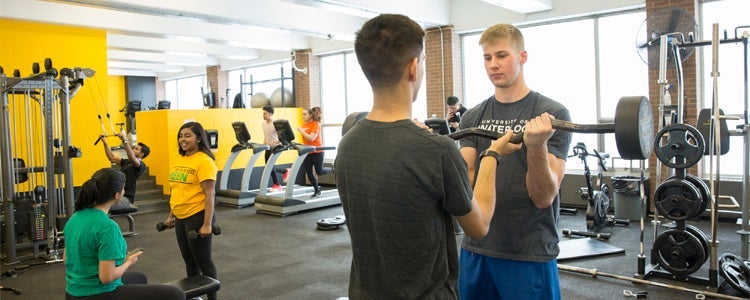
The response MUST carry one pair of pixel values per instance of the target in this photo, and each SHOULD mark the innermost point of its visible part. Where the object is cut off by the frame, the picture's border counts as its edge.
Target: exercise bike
(597, 200)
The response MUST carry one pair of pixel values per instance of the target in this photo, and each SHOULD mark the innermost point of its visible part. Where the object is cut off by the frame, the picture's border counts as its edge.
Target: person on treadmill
(133, 167)
(271, 138)
(400, 183)
(310, 131)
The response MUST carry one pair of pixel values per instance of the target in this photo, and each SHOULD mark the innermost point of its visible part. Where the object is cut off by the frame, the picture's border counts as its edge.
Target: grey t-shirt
(399, 184)
(519, 230)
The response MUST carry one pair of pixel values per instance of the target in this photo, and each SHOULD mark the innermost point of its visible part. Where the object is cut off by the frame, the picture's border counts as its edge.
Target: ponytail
(102, 187)
(316, 114)
(88, 196)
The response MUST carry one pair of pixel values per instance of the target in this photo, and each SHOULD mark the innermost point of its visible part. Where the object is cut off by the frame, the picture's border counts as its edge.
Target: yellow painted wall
(159, 128)
(27, 42)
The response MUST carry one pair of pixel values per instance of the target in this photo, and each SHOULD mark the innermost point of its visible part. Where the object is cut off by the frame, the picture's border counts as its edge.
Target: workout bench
(197, 285)
(131, 223)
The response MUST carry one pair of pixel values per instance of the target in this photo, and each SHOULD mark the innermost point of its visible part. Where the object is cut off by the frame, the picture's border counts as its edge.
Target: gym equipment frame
(35, 125)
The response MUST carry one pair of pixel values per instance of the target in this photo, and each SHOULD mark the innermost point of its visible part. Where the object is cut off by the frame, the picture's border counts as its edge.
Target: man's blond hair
(500, 32)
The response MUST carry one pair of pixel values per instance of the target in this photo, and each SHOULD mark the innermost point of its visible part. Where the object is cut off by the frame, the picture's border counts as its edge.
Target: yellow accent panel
(159, 128)
(68, 46)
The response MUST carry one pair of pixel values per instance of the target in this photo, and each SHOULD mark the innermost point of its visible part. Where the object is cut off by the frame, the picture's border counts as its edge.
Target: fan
(675, 22)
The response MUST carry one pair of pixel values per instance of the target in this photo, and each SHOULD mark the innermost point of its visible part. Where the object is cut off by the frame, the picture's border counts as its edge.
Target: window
(586, 64)
(185, 93)
(728, 14)
(259, 79)
(345, 90)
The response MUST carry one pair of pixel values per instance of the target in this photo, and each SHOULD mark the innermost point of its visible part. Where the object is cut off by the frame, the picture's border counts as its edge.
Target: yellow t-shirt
(185, 179)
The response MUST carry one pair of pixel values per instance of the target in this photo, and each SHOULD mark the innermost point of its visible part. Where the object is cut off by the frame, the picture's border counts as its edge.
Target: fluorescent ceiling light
(523, 6)
(241, 57)
(191, 54)
(184, 64)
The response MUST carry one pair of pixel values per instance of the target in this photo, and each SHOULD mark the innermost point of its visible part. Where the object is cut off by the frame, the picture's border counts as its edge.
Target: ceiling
(172, 38)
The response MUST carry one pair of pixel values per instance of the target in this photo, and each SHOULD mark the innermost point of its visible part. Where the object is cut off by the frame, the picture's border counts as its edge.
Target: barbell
(633, 128)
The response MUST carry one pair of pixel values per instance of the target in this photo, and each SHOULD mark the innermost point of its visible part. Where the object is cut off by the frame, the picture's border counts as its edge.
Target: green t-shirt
(91, 236)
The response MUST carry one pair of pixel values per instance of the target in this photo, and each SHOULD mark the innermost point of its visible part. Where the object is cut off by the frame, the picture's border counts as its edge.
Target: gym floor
(267, 257)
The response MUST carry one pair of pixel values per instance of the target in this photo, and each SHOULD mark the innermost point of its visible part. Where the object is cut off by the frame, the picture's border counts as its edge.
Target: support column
(443, 70)
(307, 86)
(690, 84)
(217, 78)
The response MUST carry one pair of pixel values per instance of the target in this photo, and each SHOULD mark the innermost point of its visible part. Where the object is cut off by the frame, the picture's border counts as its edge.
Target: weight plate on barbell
(634, 127)
(679, 252)
(700, 235)
(703, 189)
(679, 146)
(732, 270)
(678, 199)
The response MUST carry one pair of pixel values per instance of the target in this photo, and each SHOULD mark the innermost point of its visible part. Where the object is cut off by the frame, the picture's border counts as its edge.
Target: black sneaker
(315, 195)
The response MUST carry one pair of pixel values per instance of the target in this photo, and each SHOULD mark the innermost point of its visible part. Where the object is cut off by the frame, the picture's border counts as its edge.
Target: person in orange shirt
(310, 131)
(192, 179)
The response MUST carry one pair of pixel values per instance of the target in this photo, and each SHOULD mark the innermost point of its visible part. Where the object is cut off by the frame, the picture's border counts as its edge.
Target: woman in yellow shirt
(192, 181)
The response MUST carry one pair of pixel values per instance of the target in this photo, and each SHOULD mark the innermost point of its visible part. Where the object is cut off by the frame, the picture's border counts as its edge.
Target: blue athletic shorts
(484, 277)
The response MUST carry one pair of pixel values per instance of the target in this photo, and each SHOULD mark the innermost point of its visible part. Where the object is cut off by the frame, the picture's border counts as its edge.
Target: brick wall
(217, 78)
(690, 85)
(443, 70)
(307, 86)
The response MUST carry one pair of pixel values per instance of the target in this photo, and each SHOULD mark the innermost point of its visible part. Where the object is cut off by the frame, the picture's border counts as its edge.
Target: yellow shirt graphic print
(187, 196)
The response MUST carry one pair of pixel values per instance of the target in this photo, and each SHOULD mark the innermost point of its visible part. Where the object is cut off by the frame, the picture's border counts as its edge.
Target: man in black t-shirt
(454, 111)
(133, 167)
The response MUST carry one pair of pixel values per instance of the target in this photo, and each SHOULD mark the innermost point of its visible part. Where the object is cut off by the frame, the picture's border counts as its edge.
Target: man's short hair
(385, 45)
(500, 32)
(452, 100)
(145, 150)
(268, 108)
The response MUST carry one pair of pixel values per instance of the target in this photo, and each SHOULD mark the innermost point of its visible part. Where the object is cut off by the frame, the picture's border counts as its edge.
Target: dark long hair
(102, 187)
(199, 132)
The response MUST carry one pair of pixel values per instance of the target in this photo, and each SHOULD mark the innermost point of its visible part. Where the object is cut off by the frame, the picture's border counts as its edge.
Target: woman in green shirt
(96, 260)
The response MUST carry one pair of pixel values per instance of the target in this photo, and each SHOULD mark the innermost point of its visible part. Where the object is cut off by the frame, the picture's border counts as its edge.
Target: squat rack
(713, 142)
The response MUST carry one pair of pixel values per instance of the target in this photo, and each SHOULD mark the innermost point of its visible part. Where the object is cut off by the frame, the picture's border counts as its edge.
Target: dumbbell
(161, 226)
(215, 229)
(597, 235)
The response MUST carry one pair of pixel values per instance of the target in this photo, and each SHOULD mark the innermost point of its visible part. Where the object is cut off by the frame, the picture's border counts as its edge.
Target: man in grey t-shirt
(517, 258)
(400, 183)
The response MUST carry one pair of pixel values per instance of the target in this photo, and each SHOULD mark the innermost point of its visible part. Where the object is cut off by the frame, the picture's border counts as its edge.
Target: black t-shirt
(399, 185)
(457, 117)
(131, 175)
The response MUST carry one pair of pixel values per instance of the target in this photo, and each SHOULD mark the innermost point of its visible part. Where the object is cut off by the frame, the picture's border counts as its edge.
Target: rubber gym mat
(585, 247)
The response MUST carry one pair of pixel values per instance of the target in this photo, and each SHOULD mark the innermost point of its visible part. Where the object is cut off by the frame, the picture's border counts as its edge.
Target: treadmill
(242, 197)
(295, 199)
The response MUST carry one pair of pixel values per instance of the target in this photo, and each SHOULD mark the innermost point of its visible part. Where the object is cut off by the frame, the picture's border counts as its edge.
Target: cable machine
(35, 158)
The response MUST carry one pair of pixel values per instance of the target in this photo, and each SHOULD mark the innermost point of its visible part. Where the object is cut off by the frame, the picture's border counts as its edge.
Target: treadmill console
(241, 133)
(284, 130)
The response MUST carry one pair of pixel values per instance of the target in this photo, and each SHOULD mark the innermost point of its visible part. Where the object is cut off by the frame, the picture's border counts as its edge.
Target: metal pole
(69, 196)
(641, 254)
(8, 176)
(49, 136)
(714, 243)
(745, 231)
(594, 273)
